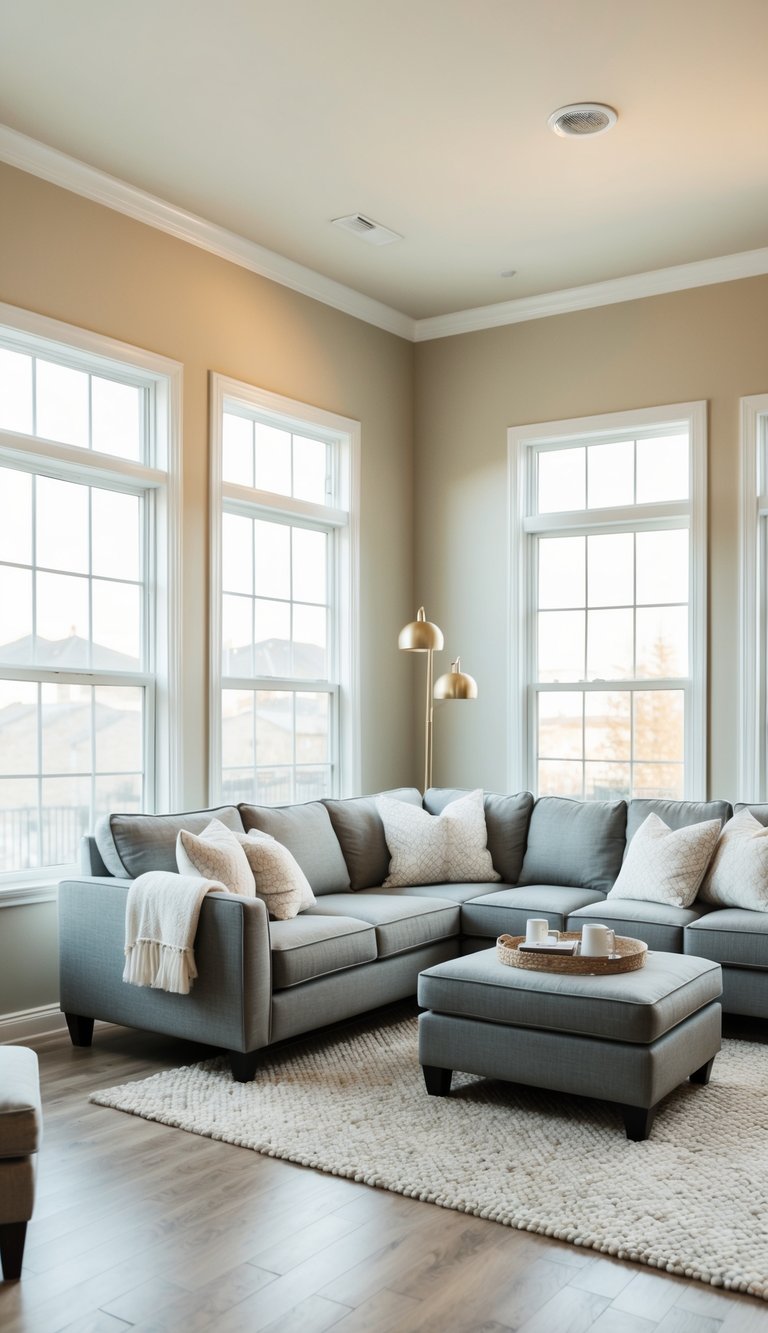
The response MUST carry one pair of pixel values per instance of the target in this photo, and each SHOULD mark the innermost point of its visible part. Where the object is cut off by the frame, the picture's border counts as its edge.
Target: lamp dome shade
(456, 684)
(420, 635)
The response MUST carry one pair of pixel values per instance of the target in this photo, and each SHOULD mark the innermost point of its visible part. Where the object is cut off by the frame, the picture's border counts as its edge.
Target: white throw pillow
(280, 880)
(665, 865)
(215, 854)
(738, 875)
(449, 848)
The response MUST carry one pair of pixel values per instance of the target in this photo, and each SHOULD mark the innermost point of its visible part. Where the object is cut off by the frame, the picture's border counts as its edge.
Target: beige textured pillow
(665, 865)
(449, 848)
(215, 854)
(738, 875)
(280, 880)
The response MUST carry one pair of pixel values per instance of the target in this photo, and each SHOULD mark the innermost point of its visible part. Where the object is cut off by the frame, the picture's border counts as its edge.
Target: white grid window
(86, 511)
(609, 582)
(753, 600)
(284, 580)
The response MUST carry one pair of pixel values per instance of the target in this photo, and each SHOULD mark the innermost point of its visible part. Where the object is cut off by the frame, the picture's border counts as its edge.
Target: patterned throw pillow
(449, 848)
(738, 875)
(665, 865)
(215, 854)
(280, 880)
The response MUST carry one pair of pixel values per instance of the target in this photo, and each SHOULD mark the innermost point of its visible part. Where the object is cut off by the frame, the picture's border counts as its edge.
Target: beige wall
(704, 344)
(73, 260)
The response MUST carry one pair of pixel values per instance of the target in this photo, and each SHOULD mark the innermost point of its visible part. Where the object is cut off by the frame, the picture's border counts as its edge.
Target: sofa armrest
(229, 1004)
(91, 862)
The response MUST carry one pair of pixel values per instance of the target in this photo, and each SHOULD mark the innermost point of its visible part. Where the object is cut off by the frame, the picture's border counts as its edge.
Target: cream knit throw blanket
(161, 917)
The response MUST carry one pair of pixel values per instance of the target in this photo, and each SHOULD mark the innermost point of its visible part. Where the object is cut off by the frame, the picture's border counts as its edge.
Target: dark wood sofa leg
(638, 1121)
(243, 1065)
(12, 1237)
(80, 1029)
(702, 1075)
(438, 1080)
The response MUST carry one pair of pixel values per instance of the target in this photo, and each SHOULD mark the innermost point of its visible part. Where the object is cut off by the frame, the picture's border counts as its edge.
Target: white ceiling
(271, 117)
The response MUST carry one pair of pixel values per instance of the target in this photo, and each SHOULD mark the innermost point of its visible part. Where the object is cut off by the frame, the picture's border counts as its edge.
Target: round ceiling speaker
(582, 118)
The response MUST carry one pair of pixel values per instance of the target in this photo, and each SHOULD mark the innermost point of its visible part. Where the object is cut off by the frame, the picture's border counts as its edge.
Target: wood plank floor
(144, 1227)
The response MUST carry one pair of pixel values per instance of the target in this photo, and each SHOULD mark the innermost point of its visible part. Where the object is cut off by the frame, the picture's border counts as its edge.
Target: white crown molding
(700, 273)
(18, 150)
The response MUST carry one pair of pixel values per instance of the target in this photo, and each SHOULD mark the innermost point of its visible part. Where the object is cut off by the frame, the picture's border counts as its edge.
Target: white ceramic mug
(597, 941)
(536, 930)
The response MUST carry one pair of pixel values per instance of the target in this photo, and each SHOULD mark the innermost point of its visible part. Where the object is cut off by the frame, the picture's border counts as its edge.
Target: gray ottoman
(629, 1038)
(20, 1128)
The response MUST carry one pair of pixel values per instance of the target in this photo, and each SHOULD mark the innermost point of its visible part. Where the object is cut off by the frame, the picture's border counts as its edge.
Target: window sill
(22, 895)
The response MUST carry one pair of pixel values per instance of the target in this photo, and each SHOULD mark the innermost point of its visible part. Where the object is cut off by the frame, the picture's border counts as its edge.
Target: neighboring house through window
(608, 582)
(284, 600)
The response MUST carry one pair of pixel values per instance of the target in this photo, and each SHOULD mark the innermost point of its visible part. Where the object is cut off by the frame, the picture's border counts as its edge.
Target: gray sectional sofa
(361, 945)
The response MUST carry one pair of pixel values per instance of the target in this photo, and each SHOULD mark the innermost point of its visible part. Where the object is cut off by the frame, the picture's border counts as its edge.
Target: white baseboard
(43, 1021)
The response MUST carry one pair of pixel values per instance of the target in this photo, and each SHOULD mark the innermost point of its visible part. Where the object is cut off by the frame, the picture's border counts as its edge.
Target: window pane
(237, 450)
(312, 784)
(237, 729)
(272, 545)
(272, 638)
(19, 824)
(15, 516)
(310, 629)
(309, 469)
(609, 645)
(66, 728)
(237, 553)
(16, 644)
(558, 778)
(18, 727)
(662, 641)
(237, 636)
(662, 469)
(611, 474)
(66, 815)
(119, 729)
(62, 620)
(273, 459)
(15, 391)
(312, 728)
(562, 480)
(237, 784)
(62, 525)
(561, 645)
(658, 725)
(116, 534)
(561, 571)
(116, 625)
(62, 403)
(309, 557)
(560, 725)
(274, 727)
(664, 781)
(120, 791)
(116, 410)
(611, 569)
(662, 566)
(274, 786)
(607, 782)
(607, 724)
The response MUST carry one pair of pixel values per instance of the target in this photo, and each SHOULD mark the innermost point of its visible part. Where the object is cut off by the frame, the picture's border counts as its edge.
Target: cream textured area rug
(690, 1200)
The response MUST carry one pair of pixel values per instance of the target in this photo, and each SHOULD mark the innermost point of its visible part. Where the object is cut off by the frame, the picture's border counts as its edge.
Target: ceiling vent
(582, 118)
(369, 231)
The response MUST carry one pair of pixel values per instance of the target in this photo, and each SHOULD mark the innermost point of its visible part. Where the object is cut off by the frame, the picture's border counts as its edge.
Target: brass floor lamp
(422, 636)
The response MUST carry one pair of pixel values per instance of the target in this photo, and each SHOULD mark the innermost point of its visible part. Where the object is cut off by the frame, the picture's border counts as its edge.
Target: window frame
(753, 598)
(157, 480)
(340, 520)
(525, 525)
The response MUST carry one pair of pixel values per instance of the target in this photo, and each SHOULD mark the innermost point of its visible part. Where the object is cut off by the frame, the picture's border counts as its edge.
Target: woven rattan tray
(630, 955)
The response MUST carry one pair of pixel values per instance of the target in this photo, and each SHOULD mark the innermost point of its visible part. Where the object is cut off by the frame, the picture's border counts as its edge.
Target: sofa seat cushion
(506, 911)
(313, 946)
(506, 820)
(400, 923)
(629, 1007)
(130, 845)
(734, 936)
(659, 924)
(306, 830)
(360, 831)
(447, 893)
(576, 843)
(20, 1112)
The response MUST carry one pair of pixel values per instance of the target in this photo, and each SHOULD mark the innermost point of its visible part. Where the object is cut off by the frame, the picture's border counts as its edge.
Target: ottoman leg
(12, 1237)
(702, 1075)
(438, 1080)
(80, 1029)
(638, 1121)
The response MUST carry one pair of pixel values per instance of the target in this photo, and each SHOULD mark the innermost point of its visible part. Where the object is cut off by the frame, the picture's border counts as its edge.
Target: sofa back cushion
(129, 845)
(578, 844)
(306, 830)
(360, 831)
(760, 812)
(506, 819)
(676, 814)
